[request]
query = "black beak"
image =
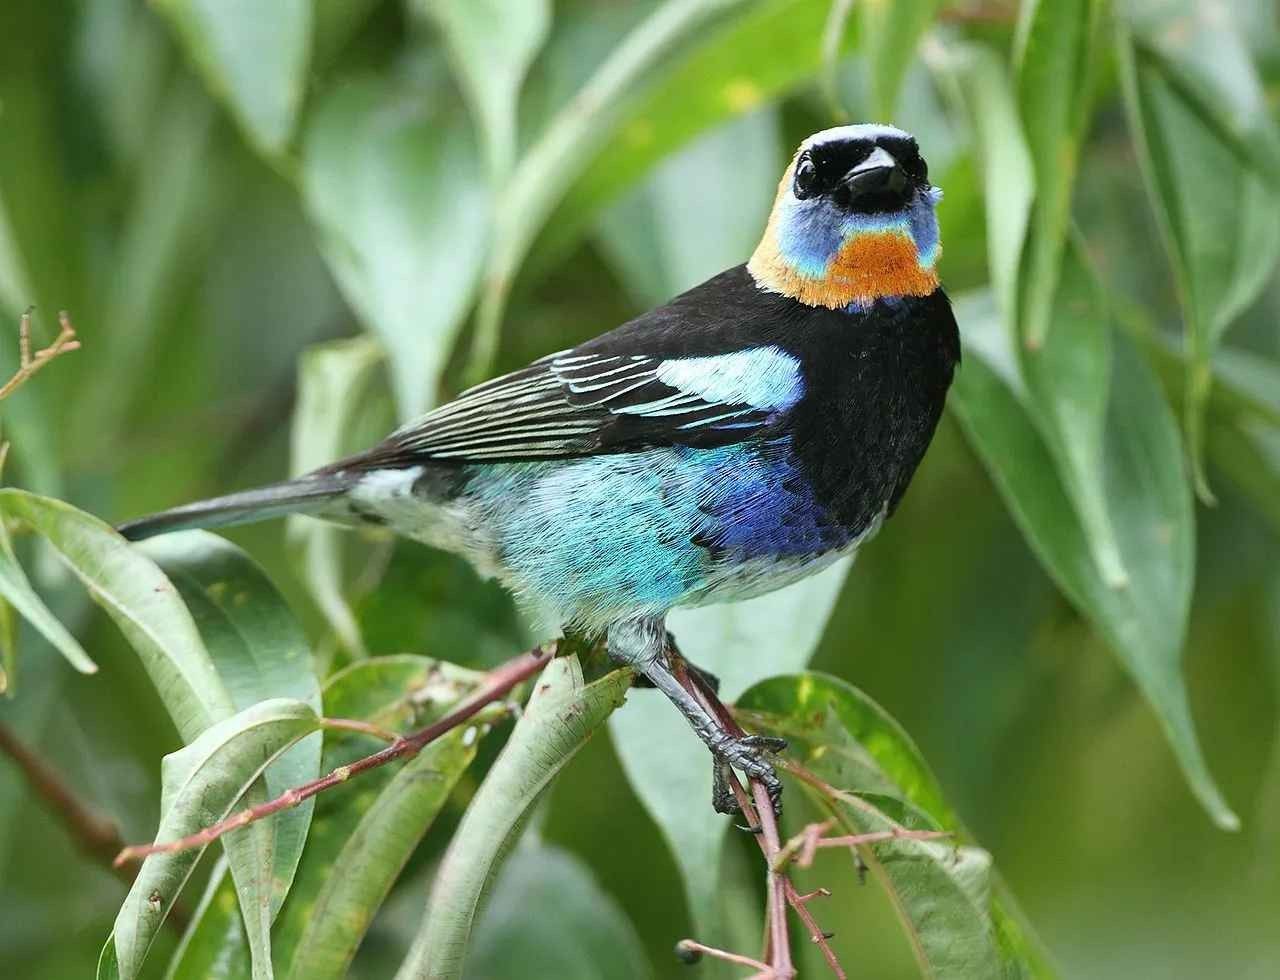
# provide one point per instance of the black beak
(878, 174)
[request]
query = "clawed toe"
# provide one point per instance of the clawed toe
(749, 754)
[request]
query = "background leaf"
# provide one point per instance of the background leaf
(491, 43)
(891, 34)
(253, 57)
(563, 712)
(394, 184)
(1145, 622)
(333, 379)
(593, 941)
(1221, 256)
(1057, 44)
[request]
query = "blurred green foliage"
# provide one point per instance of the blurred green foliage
(280, 227)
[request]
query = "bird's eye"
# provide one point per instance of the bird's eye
(806, 178)
(914, 164)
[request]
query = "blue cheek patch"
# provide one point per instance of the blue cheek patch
(812, 232)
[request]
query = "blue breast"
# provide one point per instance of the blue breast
(639, 531)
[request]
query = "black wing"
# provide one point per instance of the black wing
(574, 404)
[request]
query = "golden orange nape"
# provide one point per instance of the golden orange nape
(866, 232)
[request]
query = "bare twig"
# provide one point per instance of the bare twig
(29, 364)
(804, 846)
(96, 835)
(798, 902)
(497, 684)
(690, 951)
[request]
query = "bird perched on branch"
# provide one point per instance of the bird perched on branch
(739, 438)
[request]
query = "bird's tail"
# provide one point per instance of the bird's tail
(304, 495)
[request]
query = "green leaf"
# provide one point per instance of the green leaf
(768, 50)
(253, 56)
(261, 652)
(214, 946)
(1007, 170)
(491, 44)
(395, 186)
(332, 381)
(589, 937)
(1148, 502)
(16, 591)
(1068, 380)
(361, 838)
(1202, 49)
(141, 600)
(691, 218)
(950, 904)
(572, 138)
(562, 714)
(1221, 255)
(665, 763)
(202, 783)
(1057, 44)
(891, 32)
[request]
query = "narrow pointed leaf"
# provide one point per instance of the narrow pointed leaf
(1068, 378)
(562, 714)
(1007, 170)
(569, 142)
(1221, 255)
(16, 590)
(261, 652)
(362, 837)
(1204, 52)
(332, 380)
(491, 44)
(254, 56)
(1057, 44)
(1149, 504)
(767, 50)
(141, 600)
(891, 33)
(202, 784)
(395, 186)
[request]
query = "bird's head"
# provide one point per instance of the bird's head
(853, 221)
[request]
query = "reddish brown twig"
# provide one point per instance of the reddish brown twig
(497, 684)
(753, 811)
(804, 846)
(690, 951)
(28, 363)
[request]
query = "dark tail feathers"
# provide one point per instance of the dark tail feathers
(301, 496)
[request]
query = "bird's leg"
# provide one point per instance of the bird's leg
(706, 680)
(641, 644)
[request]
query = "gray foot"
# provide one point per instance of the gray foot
(748, 755)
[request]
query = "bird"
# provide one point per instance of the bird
(743, 436)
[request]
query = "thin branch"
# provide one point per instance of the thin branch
(95, 834)
(798, 902)
(29, 364)
(497, 684)
(804, 846)
(690, 951)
